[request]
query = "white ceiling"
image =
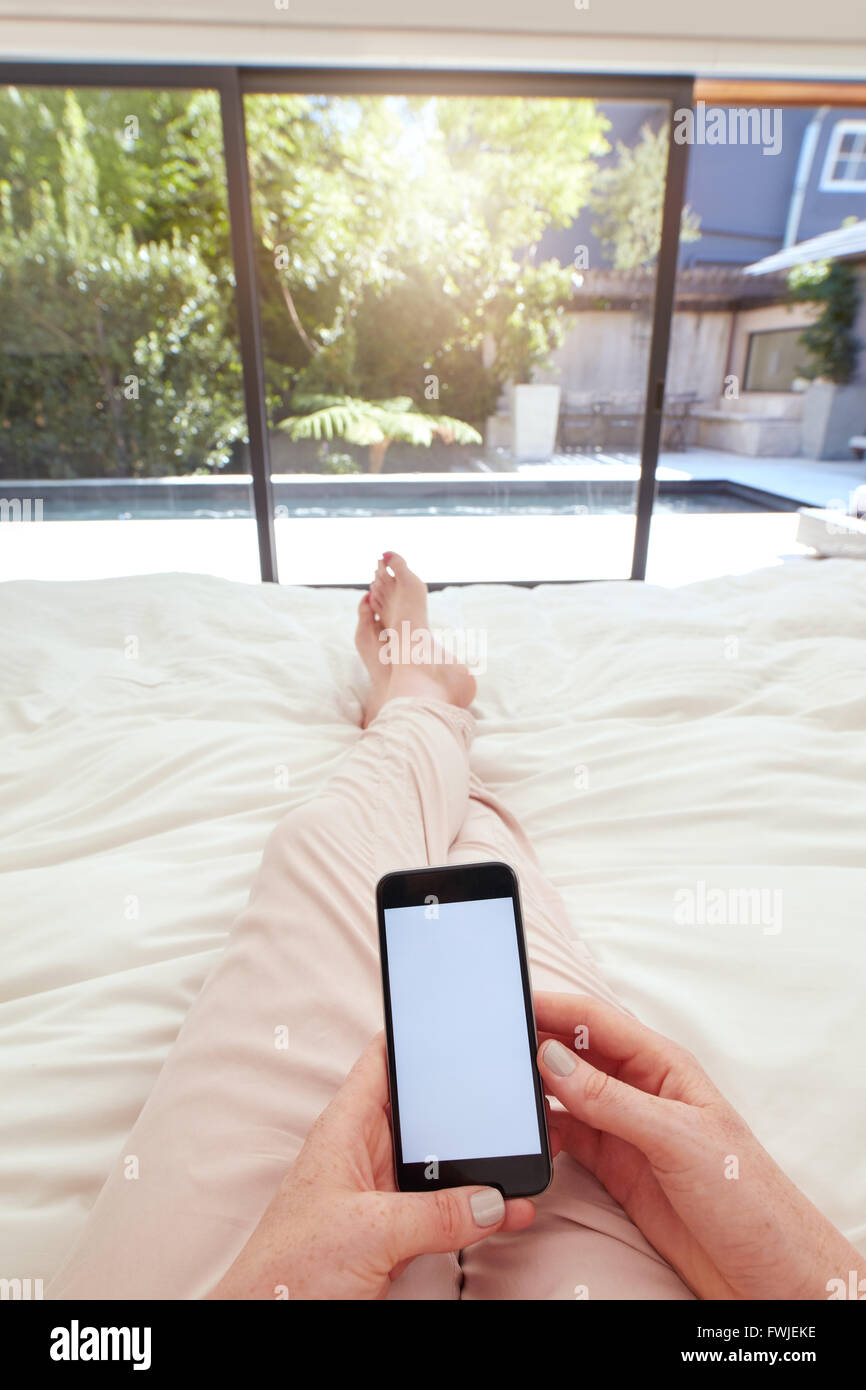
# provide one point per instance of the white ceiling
(748, 37)
(782, 20)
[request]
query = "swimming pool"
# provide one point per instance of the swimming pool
(309, 498)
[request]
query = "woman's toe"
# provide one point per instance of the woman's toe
(395, 563)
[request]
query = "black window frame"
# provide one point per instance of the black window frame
(233, 83)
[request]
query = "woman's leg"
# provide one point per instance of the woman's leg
(582, 1244)
(279, 1023)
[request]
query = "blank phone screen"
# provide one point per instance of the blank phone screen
(465, 1085)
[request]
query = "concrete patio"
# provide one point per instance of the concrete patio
(805, 481)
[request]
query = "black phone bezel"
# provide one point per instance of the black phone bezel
(515, 1175)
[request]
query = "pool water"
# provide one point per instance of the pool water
(310, 498)
(525, 505)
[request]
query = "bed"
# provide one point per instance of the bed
(672, 754)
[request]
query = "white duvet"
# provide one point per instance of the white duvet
(690, 764)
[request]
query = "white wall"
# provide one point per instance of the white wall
(606, 352)
(736, 37)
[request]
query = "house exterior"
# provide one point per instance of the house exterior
(735, 363)
(750, 202)
(815, 182)
(834, 415)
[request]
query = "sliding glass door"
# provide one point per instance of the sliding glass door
(271, 323)
(457, 298)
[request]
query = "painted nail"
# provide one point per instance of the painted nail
(488, 1206)
(558, 1059)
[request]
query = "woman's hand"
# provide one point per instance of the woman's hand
(337, 1228)
(641, 1114)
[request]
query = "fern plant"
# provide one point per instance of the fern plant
(372, 424)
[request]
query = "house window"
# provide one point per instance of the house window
(845, 165)
(774, 360)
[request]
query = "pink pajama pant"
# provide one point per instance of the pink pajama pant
(231, 1108)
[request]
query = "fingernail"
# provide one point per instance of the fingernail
(386, 554)
(558, 1059)
(488, 1206)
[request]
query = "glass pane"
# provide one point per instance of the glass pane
(749, 434)
(122, 426)
(457, 302)
(775, 360)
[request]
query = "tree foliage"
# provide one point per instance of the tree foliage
(628, 199)
(373, 424)
(118, 351)
(398, 242)
(830, 340)
(398, 235)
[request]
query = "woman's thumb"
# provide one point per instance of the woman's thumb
(447, 1219)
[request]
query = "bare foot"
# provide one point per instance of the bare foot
(413, 662)
(397, 595)
(369, 648)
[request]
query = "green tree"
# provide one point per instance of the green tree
(830, 340)
(399, 243)
(628, 199)
(398, 235)
(158, 157)
(117, 358)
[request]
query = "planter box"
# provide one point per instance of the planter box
(832, 533)
(535, 415)
(758, 436)
(831, 415)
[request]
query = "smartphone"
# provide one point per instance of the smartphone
(467, 1104)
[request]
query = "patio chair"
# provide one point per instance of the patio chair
(677, 414)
